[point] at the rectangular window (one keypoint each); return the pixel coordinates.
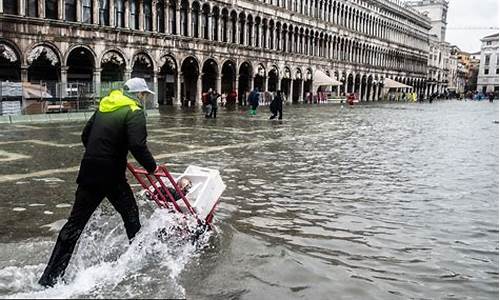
(486, 71)
(134, 15)
(70, 10)
(32, 8)
(51, 9)
(172, 16)
(148, 16)
(87, 11)
(120, 14)
(10, 7)
(488, 43)
(497, 71)
(104, 12)
(487, 59)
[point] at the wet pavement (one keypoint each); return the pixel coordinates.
(377, 201)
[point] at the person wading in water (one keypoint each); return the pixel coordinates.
(118, 126)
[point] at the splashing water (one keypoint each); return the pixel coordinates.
(105, 265)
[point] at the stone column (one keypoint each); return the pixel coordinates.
(178, 21)
(155, 87)
(377, 87)
(264, 84)
(60, 9)
(209, 24)
(189, 22)
(290, 89)
(24, 73)
(97, 82)
(64, 81)
(251, 82)
(178, 89)
(95, 12)
(370, 92)
(141, 14)
(79, 9)
(198, 89)
(218, 84)
(154, 26)
(21, 10)
(301, 96)
(112, 21)
(127, 74)
(167, 16)
(1, 7)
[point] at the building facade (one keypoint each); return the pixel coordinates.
(487, 78)
(439, 49)
(183, 48)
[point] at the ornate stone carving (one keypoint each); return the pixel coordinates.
(40, 51)
(298, 75)
(8, 53)
(144, 59)
(168, 61)
(113, 58)
(286, 74)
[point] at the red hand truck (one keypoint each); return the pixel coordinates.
(157, 191)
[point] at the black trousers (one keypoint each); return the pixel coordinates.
(87, 199)
(279, 112)
(213, 112)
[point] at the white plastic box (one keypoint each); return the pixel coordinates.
(207, 187)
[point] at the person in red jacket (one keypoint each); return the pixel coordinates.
(117, 127)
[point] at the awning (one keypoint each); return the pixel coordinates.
(393, 84)
(321, 78)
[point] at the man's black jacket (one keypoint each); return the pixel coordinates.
(117, 127)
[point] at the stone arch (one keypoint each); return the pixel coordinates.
(10, 61)
(210, 72)
(190, 69)
(260, 77)
(167, 79)
(81, 62)
(44, 64)
(228, 76)
(85, 48)
(244, 76)
(297, 83)
(113, 65)
(143, 66)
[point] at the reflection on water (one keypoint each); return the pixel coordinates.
(386, 201)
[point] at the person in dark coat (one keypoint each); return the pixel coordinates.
(117, 127)
(212, 99)
(276, 106)
(253, 100)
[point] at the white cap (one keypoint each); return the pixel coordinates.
(137, 85)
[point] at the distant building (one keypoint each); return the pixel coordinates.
(487, 79)
(439, 52)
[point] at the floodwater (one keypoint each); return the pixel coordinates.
(377, 201)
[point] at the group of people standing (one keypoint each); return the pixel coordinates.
(210, 104)
(211, 98)
(276, 105)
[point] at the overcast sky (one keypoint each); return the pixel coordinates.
(471, 13)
